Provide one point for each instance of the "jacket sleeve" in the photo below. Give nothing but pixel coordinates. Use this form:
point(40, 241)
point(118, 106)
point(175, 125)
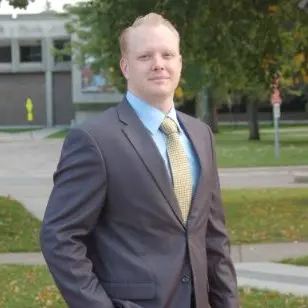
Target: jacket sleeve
point(223, 291)
point(73, 209)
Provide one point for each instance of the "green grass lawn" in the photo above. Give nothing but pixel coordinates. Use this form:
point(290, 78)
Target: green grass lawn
point(251, 298)
point(58, 135)
point(298, 261)
point(252, 216)
point(262, 126)
point(32, 287)
point(18, 229)
point(266, 215)
point(17, 130)
point(235, 150)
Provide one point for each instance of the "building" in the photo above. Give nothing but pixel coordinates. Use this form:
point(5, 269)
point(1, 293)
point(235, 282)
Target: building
point(60, 91)
point(63, 92)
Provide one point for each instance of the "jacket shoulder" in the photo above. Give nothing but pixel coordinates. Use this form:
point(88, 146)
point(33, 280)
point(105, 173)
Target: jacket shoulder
point(98, 124)
point(195, 121)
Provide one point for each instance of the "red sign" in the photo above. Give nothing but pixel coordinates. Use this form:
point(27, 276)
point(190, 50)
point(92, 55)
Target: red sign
point(276, 99)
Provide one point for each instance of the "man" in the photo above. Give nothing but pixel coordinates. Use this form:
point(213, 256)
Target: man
point(135, 219)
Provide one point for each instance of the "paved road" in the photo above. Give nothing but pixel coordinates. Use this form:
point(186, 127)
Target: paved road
point(38, 158)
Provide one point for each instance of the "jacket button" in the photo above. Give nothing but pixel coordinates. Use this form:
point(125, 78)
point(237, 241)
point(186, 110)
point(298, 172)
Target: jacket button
point(186, 279)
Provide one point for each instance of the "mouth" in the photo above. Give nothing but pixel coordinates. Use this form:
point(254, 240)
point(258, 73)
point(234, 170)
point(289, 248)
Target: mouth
point(158, 78)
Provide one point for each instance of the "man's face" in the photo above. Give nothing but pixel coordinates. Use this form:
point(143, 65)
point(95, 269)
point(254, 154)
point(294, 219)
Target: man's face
point(152, 64)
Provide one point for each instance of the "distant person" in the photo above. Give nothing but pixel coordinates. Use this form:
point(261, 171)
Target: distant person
point(135, 217)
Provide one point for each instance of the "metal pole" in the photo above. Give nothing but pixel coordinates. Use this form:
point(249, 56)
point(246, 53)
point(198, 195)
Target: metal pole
point(276, 128)
point(276, 101)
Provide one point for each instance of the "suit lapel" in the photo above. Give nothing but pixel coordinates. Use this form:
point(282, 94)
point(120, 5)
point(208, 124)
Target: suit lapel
point(146, 149)
point(193, 132)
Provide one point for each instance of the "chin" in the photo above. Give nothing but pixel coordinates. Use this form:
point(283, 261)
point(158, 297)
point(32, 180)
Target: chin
point(161, 91)
point(162, 94)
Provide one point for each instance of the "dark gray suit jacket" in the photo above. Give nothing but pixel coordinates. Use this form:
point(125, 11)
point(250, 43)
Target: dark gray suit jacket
point(113, 235)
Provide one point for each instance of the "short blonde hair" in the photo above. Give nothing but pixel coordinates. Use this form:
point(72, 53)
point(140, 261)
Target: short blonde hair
point(151, 19)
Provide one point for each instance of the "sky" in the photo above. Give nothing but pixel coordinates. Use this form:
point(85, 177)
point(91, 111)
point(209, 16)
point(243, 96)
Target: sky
point(36, 7)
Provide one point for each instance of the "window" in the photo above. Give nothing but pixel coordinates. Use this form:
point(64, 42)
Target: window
point(30, 53)
point(5, 54)
point(60, 46)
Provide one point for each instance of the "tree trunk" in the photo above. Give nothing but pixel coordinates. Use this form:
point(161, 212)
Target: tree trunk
point(206, 110)
point(253, 123)
point(212, 118)
point(199, 107)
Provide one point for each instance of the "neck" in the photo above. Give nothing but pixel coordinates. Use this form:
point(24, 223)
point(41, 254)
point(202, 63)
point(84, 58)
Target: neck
point(162, 103)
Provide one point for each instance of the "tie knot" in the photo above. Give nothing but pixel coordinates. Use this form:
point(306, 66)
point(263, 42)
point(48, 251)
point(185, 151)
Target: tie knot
point(169, 127)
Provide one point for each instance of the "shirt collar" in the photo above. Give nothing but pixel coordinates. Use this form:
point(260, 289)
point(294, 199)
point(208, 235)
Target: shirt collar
point(150, 116)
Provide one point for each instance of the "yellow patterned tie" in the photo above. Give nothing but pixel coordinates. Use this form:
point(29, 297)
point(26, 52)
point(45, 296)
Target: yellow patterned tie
point(179, 164)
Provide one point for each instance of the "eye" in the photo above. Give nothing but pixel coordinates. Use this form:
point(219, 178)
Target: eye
point(168, 55)
point(145, 57)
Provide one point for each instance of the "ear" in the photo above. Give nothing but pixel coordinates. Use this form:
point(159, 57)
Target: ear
point(181, 61)
point(124, 67)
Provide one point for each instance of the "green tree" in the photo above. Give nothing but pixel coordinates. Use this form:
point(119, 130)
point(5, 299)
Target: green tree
point(228, 46)
point(22, 4)
point(224, 45)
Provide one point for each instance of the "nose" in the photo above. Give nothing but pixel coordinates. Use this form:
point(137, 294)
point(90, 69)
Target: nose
point(158, 63)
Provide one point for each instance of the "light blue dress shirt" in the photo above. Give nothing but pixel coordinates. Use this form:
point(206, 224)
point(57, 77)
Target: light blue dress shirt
point(152, 118)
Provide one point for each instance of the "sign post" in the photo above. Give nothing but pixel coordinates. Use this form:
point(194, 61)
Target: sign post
point(276, 102)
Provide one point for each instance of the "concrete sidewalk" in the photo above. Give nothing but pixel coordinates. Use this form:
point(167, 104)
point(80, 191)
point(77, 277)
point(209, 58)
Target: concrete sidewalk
point(36, 134)
point(287, 279)
point(250, 253)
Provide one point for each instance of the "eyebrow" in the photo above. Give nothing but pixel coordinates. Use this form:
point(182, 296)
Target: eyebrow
point(149, 51)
